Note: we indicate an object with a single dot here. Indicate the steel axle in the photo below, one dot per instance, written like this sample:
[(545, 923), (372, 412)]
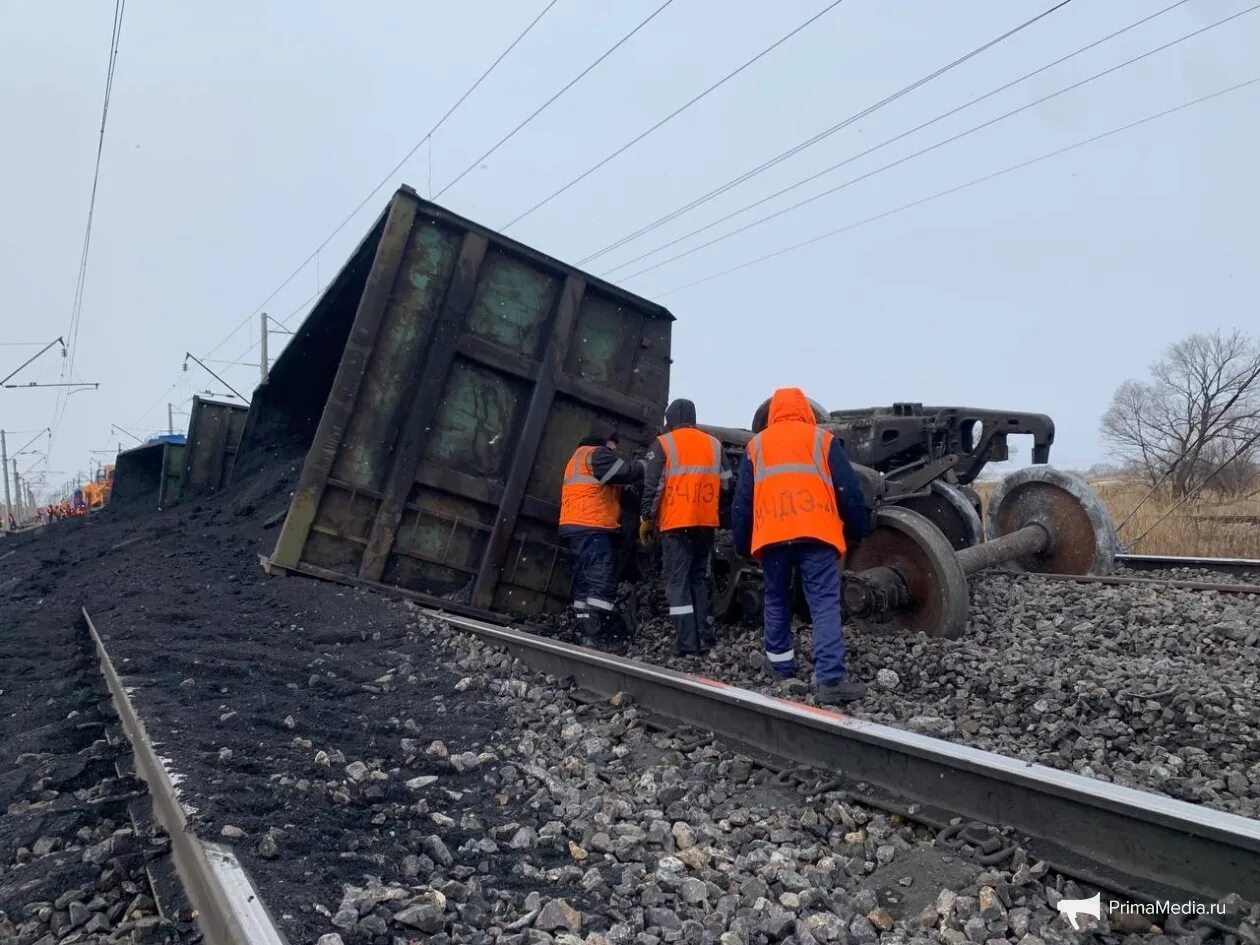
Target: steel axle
[(1032, 539), (1041, 520)]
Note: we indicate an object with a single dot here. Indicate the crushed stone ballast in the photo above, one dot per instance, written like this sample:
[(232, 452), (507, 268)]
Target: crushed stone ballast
[(1143, 845)]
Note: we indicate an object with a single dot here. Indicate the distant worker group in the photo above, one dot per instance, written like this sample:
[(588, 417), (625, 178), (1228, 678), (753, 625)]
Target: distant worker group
[(797, 507)]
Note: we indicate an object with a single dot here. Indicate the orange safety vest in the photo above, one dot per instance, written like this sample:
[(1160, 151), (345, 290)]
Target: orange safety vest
[(691, 480), (793, 495), (586, 500)]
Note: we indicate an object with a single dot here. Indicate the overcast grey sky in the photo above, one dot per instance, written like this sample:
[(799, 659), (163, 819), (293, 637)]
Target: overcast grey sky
[(241, 133)]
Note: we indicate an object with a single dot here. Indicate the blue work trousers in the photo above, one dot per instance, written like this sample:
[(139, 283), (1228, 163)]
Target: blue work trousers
[(594, 579), (819, 567)]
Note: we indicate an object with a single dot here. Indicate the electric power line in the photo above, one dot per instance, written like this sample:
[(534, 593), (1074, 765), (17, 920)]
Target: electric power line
[(240, 359), (386, 179), (675, 113), (543, 107), (152, 407), (821, 136), (1189, 495), (885, 143), (76, 310), (939, 144), (965, 186)]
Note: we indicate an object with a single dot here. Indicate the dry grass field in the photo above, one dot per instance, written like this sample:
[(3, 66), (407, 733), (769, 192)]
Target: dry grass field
[(1202, 527)]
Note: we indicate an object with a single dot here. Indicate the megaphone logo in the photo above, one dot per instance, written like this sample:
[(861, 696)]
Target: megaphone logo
[(1072, 908)]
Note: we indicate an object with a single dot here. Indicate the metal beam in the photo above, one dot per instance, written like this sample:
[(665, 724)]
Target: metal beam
[(425, 402), (345, 389), (559, 331)]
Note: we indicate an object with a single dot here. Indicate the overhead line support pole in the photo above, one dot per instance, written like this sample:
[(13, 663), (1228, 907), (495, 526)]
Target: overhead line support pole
[(263, 363), (4, 465), (189, 355), (59, 341)]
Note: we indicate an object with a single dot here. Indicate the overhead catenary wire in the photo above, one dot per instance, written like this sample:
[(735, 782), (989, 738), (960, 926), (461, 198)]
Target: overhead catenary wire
[(888, 141), (819, 137), (76, 309), (139, 421), (238, 361), (1195, 491), (1154, 489), (961, 187), (675, 113), (284, 322), (930, 148), (547, 104), (387, 177)]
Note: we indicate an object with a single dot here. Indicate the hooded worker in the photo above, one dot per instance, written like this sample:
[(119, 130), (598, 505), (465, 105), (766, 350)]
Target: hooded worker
[(590, 521), (797, 505), (685, 473)]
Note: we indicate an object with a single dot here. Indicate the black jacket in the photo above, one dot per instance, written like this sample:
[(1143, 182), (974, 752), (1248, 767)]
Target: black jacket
[(610, 466), (678, 416)]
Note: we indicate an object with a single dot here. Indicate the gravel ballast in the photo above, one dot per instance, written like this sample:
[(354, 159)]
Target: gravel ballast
[(1147, 686), (678, 838)]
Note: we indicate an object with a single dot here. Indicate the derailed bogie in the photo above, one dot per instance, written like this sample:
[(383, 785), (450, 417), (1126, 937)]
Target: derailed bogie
[(951, 509), (928, 536), (886, 438)]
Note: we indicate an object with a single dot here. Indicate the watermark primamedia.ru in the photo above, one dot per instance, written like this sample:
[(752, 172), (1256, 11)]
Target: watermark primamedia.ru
[(1073, 909), (1165, 907)]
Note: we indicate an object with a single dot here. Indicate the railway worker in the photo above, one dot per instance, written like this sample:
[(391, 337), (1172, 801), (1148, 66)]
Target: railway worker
[(685, 473), (796, 500), (590, 522)]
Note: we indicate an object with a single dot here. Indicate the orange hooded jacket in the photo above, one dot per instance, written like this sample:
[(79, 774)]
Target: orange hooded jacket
[(794, 497)]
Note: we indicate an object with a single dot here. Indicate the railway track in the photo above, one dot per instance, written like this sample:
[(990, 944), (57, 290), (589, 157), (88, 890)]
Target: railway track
[(1221, 575), (1141, 845), (1246, 570), (226, 904)]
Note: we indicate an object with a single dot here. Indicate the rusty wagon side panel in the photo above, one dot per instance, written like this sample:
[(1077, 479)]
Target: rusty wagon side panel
[(214, 435), (138, 475), (473, 367), (172, 485)]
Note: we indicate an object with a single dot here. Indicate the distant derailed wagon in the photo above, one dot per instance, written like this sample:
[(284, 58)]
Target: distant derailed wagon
[(443, 381)]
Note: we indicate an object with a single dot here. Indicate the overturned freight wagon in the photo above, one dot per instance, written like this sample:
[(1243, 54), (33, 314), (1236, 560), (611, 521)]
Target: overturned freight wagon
[(147, 476), (468, 366), (214, 436)]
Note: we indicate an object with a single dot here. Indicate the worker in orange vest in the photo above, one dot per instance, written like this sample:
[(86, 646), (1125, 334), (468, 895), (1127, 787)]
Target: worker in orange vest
[(590, 522), (682, 484), (798, 505)]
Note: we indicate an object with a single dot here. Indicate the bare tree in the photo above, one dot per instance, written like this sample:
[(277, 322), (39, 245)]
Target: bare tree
[(1200, 410)]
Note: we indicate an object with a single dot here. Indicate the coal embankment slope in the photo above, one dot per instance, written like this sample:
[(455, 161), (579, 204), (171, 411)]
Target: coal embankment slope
[(303, 722), (72, 866)]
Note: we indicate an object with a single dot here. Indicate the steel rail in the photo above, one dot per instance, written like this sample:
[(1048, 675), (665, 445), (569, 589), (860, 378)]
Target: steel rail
[(1157, 562), (229, 909), (1137, 843), (1121, 580)]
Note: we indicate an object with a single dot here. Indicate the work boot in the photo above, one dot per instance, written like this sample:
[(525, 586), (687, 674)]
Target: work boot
[(708, 639), (610, 633), (845, 690), (586, 628), (768, 670)]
